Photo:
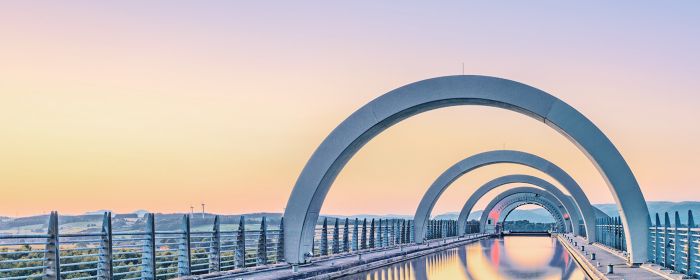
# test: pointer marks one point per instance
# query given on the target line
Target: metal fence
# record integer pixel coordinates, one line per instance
(442, 229)
(149, 253)
(145, 254)
(472, 227)
(675, 245)
(611, 233)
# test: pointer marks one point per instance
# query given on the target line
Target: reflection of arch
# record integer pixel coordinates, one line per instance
(306, 199)
(571, 207)
(520, 196)
(493, 247)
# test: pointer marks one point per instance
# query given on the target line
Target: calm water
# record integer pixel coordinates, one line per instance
(512, 257)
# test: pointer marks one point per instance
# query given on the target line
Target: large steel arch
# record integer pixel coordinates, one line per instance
(517, 197)
(571, 207)
(311, 188)
(466, 165)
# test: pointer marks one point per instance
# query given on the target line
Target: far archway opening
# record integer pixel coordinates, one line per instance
(529, 218)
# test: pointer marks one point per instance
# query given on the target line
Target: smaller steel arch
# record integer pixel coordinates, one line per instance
(513, 194)
(546, 204)
(571, 207)
(468, 164)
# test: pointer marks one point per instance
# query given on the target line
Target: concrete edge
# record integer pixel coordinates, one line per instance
(588, 268)
(665, 273)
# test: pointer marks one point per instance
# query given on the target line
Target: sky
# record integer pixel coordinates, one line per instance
(163, 105)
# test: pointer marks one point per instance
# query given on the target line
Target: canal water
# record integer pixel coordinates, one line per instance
(511, 257)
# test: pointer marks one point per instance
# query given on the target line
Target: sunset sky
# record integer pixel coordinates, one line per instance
(160, 105)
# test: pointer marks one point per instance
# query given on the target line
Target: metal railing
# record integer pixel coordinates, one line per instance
(675, 245)
(438, 229)
(345, 235)
(611, 233)
(144, 252)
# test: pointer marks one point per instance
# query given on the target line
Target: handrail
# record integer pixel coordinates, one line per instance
(165, 254)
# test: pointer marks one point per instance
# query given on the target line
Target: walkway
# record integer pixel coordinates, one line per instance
(345, 264)
(605, 256)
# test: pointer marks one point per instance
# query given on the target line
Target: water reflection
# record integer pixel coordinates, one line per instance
(511, 257)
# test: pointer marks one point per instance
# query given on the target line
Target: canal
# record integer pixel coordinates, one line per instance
(510, 257)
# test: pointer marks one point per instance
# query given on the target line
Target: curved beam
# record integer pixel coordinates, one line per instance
(528, 195)
(512, 196)
(571, 207)
(560, 224)
(552, 202)
(464, 166)
(315, 180)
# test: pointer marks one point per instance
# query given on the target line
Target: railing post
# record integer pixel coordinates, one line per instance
(403, 232)
(262, 243)
(431, 229)
(240, 244)
(677, 264)
(385, 237)
(395, 229)
(443, 228)
(215, 246)
(657, 245)
(399, 232)
(280, 242)
(324, 238)
(667, 224)
(428, 233)
(380, 236)
(435, 231)
(148, 256)
(355, 235)
(53, 261)
(104, 267)
(363, 238)
(346, 233)
(613, 232)
(604, 230)
(371, 235)
(336, 238)
(184, 259)
(689, 245)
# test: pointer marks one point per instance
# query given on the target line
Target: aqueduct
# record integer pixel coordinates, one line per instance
(344, 141)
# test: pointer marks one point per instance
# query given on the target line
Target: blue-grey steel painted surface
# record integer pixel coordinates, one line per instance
(344, 141)
(571, 207)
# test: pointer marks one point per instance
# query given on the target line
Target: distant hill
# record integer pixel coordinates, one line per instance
(533, 215)
(540, 215)
(661, 207)
(173, 221)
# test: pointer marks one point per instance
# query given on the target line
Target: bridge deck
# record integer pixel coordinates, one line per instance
(606, 256)
(348, 263)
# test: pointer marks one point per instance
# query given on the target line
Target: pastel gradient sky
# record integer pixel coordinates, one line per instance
(160, 105)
